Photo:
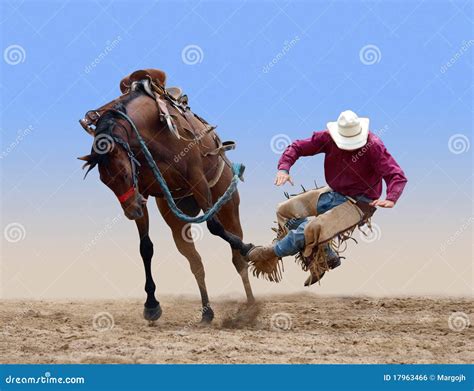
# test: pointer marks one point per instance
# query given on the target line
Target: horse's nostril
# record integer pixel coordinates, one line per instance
(138, 213)
(134, 214)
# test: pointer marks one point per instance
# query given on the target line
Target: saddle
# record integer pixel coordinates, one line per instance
(156, 75)
(172, 105)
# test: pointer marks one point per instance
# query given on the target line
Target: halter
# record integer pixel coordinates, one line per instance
(134, 163)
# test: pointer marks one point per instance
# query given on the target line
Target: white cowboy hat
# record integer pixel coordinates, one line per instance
(349, 132)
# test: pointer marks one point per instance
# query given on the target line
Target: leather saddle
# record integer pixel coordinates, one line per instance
(156, 75)
(175, 92)
(171, 103)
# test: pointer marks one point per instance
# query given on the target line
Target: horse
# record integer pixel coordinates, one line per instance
(195, 170)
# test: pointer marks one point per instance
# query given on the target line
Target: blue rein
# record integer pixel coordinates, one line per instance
(237, 170)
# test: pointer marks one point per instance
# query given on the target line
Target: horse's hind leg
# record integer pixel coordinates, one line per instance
(152, 310)
(185, 246)
(202, 195)
(229, 214)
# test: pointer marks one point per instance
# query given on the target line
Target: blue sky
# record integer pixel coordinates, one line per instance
(319, 76)
(405, 64)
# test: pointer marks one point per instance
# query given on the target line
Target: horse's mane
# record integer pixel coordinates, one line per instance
(106, 122)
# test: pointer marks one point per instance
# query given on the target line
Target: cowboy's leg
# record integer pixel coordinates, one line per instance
(333, 210)
(293, 210)
(294, 241)
(326, 202)
(291, 217)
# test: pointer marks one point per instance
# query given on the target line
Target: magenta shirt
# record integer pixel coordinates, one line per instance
(352, 173)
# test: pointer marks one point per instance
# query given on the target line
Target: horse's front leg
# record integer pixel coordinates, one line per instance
(152, 310)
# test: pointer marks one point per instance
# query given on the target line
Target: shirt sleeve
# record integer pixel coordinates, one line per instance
(307, 147)
(385, 165)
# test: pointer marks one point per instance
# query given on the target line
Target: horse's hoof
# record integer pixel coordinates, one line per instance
(152, 314)
(207, 315)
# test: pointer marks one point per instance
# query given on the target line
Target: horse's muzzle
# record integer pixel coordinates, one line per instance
(135, 210)
(134, 214)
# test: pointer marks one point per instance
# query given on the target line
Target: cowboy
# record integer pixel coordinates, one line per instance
(355, 163)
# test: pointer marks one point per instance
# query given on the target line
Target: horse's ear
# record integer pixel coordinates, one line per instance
(89, 162)
(88, 159)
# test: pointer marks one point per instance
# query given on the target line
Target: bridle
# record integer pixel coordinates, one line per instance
(134, 164)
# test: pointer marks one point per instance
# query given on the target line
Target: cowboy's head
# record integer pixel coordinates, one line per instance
(349, 132)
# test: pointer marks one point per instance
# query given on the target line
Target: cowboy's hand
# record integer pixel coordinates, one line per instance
(383, 203)
(282, 177)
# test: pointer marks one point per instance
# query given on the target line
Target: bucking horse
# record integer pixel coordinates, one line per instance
(148, 143)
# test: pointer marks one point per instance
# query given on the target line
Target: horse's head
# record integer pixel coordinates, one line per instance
(117, 164)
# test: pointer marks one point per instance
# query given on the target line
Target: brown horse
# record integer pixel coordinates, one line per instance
(196, 177)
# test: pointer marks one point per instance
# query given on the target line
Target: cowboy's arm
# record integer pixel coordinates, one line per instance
(307, 147)
(391, 172)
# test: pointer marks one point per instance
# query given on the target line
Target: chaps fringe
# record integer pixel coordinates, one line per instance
(269, 270)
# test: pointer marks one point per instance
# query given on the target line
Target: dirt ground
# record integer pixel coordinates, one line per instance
(280, 329)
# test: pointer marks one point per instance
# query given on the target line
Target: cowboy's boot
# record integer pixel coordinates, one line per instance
(264, 262)
(333, 261)
(262, 254)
